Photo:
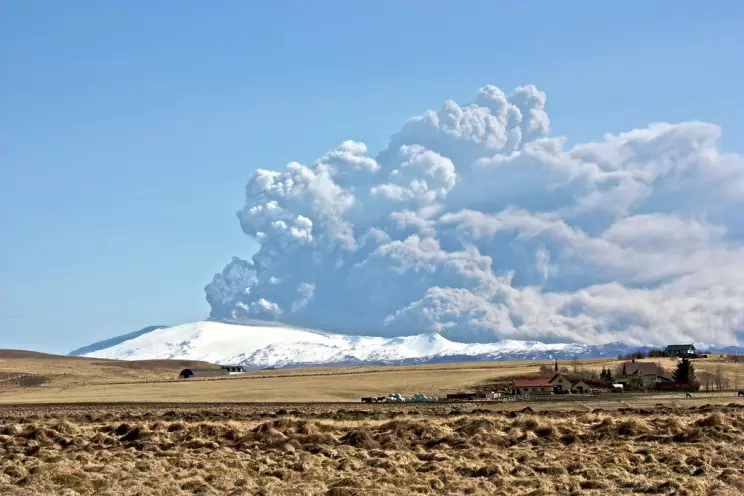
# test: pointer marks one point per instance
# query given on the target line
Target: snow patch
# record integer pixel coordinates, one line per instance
(269, 345)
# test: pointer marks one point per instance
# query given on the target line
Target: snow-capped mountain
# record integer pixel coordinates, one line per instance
(262, 344)
(107, 343)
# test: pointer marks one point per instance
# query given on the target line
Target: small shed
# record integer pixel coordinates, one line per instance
(580, 387)
(233, 369)
(189, 373)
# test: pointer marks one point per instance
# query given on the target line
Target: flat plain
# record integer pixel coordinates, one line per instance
(74, 380)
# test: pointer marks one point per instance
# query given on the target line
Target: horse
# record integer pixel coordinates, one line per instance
(688, 395)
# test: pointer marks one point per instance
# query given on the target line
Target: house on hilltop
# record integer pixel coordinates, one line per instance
(681, 350)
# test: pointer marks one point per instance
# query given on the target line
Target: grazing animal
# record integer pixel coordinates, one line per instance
(740, 393)
(688, 395)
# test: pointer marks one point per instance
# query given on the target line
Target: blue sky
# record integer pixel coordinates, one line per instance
(129, 129)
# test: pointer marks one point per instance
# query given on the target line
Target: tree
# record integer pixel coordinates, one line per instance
(706, 379)
(606, 376)
(575, 364)
(660, 369)
(546, 370)
(618, 371)
(719, 378)
(685, 372)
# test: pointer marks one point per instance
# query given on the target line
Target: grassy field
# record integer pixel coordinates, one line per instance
(65, 371)
(368, 450)
(72, 379)
(81, 433)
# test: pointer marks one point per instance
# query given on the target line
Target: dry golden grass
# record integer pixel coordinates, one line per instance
(368, 450)
(66, 371)
(613, 444)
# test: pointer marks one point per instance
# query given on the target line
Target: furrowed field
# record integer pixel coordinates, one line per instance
(391, 449)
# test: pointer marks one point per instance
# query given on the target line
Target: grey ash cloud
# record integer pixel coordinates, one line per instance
(476, 223)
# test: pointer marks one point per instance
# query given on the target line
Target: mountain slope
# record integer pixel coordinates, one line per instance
(267, 345)
(107, 343)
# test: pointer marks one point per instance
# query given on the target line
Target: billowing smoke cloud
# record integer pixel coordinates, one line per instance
(474, 222)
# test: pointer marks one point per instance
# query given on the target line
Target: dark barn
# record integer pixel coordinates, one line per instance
(189, 373)
(681, 350)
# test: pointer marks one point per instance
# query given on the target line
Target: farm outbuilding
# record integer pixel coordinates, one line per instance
(641, 376)
(681, 350)
(233, 369)
(564, 383)
(189, 373)
(540, 385)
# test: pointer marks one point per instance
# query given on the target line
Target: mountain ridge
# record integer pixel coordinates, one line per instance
(259, 345)
(106, 343)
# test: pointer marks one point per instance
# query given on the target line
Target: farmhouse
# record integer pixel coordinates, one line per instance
(189, 373)
(564, 383)
(681, 350)
(541, 385)
(641, 376)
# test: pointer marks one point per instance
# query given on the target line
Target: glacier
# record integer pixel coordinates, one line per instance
(260, 345)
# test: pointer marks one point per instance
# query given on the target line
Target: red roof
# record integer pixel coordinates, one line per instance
(539, 382)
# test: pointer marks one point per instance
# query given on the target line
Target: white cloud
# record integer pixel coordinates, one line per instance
(475, 223)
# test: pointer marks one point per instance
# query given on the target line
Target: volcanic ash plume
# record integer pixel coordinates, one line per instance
(475, 223)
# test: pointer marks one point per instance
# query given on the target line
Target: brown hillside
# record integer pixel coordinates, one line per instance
(70, 371)
(10, 354)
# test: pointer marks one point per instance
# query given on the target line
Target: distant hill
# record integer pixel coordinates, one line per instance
(107, 343)
(65, 371)
(12, 359)
(13, 354)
